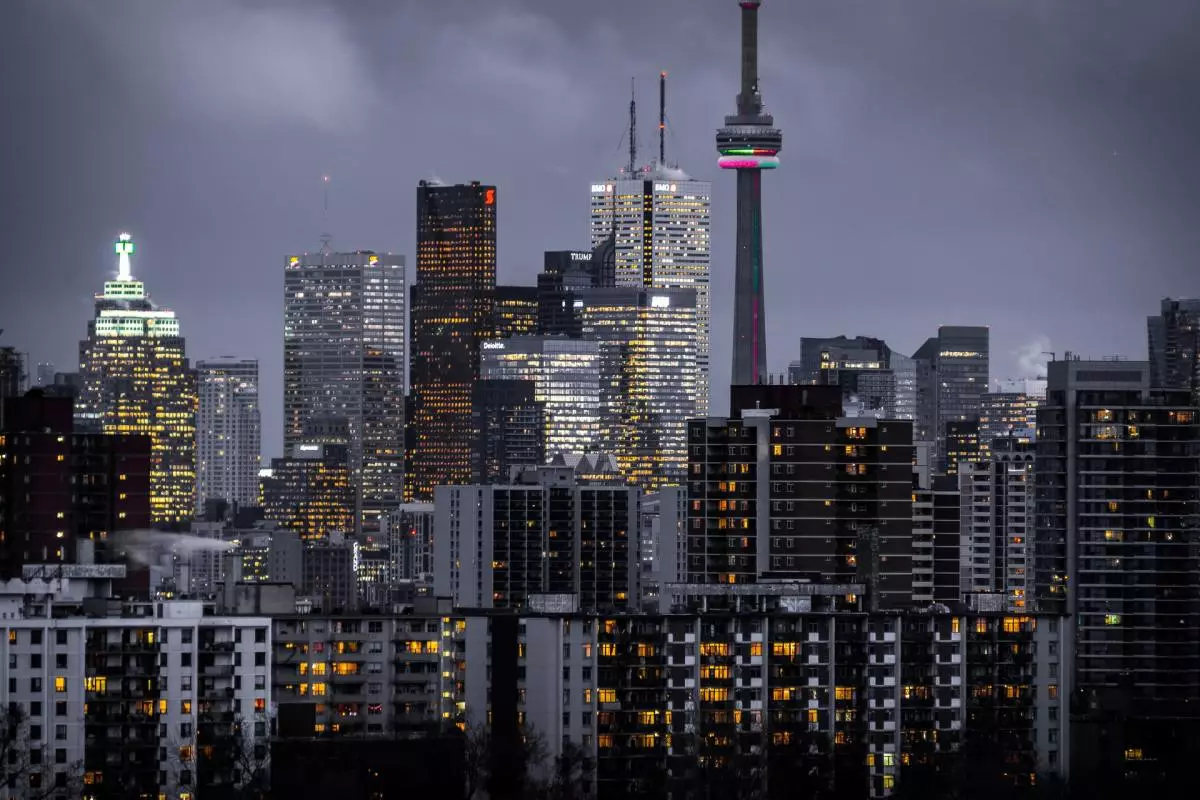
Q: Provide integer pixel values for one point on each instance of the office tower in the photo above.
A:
(45, 374)
(136, 379)
(12, 376)
(648, 377)
(452, 309)
(1011, 410)
(904, 376)
(310, 491)
(1117, 548)
(409, 534)
(952, 379)
(510, 427)
(749, 143)
(564, 274)
(662, 544)
(548, 533)
(343, 358)
(790, 489)
(515, 312)
(228, 433)
(657, 219)
(1175, 345)
(565, 374)
(328, 570)
(59, 487)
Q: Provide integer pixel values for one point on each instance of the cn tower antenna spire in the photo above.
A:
(124, 250)
(326, 237)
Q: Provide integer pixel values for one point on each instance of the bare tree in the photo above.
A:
(566, 777)
(26, 771)
(233, 758)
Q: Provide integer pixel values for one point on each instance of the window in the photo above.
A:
(60, 637)
(602, 695)
(317, 690)
(60, 684)
(185, 707)
(260, 704)
(756, 649)
(260, 635)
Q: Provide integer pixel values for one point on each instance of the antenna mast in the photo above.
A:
(632, 126)
(662, 118)
(325, 237)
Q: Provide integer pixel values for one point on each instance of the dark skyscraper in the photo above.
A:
(749, 143)
(11, 376)
(1175, 345)
(515, 312)
(510, 429)
(452, 307)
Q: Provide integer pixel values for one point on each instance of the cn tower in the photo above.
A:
(749, 143)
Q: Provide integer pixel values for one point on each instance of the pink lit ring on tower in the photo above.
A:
(748, 162)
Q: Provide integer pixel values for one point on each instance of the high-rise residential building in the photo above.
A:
(45, 374)
(565, 374)
(749, 143)
(961, 444)
(548, 533)
(661, 219)
(1117, 548)
(789, 488)
(515, 312)
(59, 487)
(343, 358)
(865, 368)
(452, 310)
(936, 534)
(648, 377)
(12, 376)
(134, 699)
(136, 379)
(309, 491)
(1175, 345)
(510, 426)
(228, 433)
(952, 380)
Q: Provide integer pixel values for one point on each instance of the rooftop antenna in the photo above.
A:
(632, 126)
(662, 118)
(325, 237)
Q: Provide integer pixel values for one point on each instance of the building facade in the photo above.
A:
(1117, 548)
(510, 426)
(310, 491)
(1174, 338)
(790, 489)
(649, 377)
(453, 303)
(661, 220)
(228, 433)
(496, 546)
(565, 374)
(59, 488)
(343, 353)
(136, 379)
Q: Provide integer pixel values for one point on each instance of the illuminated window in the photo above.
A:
(95, 683)
(185, 707)
(813, 716)
(790, 649)
(843, 693)
(608, 649)
(60, 684)
(781, 693)
(711, 694)
(605, 741)
(955, 625)
(318, 668)
(756, 649)
(185, 753)
(889, 781)
(1133, 754)
(1052, 691)
(317, 690)
(606, 695)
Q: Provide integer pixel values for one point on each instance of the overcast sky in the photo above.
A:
(1031, 165)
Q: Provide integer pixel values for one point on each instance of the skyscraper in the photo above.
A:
(566, 381)
(452, 307)
(648, 377)
(228, 432)
(661, 218)
(343, 359)
(510, 429)
(749, 143)
(1175, 345)
(952, 380)
(136, 379)
(12, 376)
(1117, 548)
(515, 312)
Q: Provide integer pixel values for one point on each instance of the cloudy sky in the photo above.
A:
(1030, 165)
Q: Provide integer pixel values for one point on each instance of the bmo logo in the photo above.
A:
(666, 187)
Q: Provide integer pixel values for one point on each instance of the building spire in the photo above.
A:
(124, 248)
(632, 126)
(325, 237)
(662, 118)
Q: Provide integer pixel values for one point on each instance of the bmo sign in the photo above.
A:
(601, 188)
(666, 187)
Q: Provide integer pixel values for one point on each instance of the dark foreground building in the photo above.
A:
(368, 769)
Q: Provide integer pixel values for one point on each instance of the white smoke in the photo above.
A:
(1032, 357)
(147, 547)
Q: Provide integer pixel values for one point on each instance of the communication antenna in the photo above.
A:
(325, 237)
(662, 118)
(632, 125)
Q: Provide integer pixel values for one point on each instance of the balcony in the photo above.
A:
(217, 671)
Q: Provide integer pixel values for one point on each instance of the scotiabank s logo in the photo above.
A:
(489, 197)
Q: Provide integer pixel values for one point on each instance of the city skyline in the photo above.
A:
(1091, 188)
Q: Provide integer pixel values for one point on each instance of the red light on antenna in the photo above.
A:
(489, 197)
